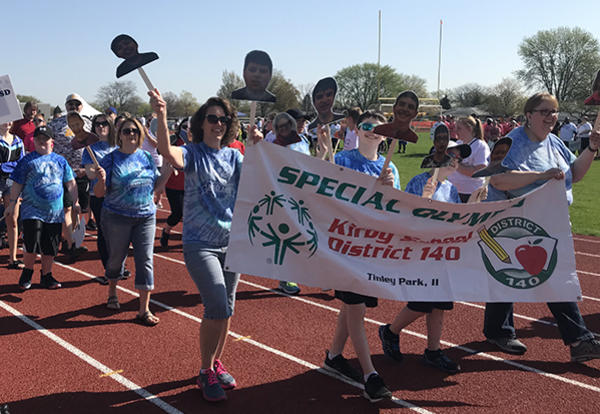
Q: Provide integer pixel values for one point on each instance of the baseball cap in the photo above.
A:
(297, 113)
(73, 97)
(464, 149)
(43, 131)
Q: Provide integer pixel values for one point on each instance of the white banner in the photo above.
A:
(9, 105)
(301, 219)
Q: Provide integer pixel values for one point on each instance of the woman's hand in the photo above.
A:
(429, 188)
(101, 173)
(254, 135)
(387, 177)
(555, 173)
(594, 141)
(158, 104)
(323, 141)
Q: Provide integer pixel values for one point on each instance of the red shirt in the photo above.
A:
(176, 182)
(238, 145)
(23, 128)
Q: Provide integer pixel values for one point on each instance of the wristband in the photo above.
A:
(590, 148)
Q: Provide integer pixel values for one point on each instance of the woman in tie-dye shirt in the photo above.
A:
(126, 180)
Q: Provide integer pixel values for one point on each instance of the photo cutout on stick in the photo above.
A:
(405, 110)
(594, 98)
(497, 155)
(258, 70)
(323, 98)
(438, 156)
(77, 126)
(125, 47)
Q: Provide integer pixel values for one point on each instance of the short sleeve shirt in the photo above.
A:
(480, 155)
(445, 191)
(63, 137)
(356, 161)
(211, 184)
(130, 182)
(527, 155)
(101, 149)
(42, 177)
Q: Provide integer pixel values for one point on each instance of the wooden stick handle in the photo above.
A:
(92, 156)
(597, 123)
(389, 155)
(252, 113)
(142, 73)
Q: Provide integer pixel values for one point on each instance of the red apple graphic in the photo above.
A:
(532, 257)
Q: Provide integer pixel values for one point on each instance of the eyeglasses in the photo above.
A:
(213, 119)
(102, 124)
(130, 131)
(366, 126)
(546, 112)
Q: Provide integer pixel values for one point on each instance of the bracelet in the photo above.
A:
(590, 148)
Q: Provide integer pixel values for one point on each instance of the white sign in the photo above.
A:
(9, 105)
(306, 220)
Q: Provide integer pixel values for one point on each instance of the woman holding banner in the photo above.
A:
(212, 174)
(537, 155)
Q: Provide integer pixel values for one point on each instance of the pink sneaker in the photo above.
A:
(225, 379)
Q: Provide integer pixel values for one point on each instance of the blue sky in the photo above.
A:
(53, 48)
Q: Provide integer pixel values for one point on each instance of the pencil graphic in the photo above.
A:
(493, 245)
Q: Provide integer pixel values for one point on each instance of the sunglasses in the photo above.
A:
(454, 154)
(367, 126)
(73, 103)
(38, 120)
(102, 124)
(130, 131)
(213, 119)
(546, 112)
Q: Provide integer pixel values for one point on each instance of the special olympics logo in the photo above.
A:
(517, 252)
(283, 224)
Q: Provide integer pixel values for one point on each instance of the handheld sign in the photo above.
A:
(496, 157)
(594, 99)
(438, 158)
(9, 105)
(405, 110)
(82, 137)
(258, 70)
(125, 47)
(323, 98)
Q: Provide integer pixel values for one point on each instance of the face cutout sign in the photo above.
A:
(258, 69)
(82, 137)
(125, 47)
(495, 166)
(439, 157)
(405, 110)
(323, 98)
(594, 99)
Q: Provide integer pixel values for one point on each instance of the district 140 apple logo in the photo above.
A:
(282, 224)
(517, 252)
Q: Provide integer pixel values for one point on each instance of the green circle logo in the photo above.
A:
(517, 252)
(284, 225)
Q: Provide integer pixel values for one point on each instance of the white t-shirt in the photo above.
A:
(584, 130)
(270, 136)
(350, 140)
(567, 131)
(480, 155)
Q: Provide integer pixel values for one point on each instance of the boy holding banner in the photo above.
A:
(350, 321)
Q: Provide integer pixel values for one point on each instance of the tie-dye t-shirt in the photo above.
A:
(211, 183)
(354, 160)
(445, 191)
(42, 177)
(130, 182)
(101, 149)
(527, 155)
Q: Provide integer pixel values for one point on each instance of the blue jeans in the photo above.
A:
(498, 321)
(119, 231)
(216, 286)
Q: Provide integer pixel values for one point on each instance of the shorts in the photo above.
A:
(216, 285)
(5, 184)
(45, 236)
(351, 298)
(428, 307)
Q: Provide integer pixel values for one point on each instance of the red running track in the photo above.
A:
(63, 351)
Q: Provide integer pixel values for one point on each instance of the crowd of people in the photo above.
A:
(48, 181)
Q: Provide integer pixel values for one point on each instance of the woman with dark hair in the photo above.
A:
(470, 131)
(104, 129)
(536, 156)
(126, 179)
(212, 175)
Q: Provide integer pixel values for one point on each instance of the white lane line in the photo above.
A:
(111, 373)
(260, 345)
(419, 335)
(587, 254)
(588, 273)
(585, 240)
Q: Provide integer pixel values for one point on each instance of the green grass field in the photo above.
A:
(583, 217)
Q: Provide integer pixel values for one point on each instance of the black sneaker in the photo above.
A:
(509, 345)
(164, 239)
(47, 281)
(25, 279)
(440, 361)
(390, 343)
(103, 280)
(375, 389)
(91, 225)
(340, 365)
(586, 350)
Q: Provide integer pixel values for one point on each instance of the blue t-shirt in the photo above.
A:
(130, 182)
(354, 160)
(211, 183)
(101, 149)
(10, 154)
(445, 190)
(42, 177)
(527, 155)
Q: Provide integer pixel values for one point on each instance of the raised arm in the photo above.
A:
(511, 180)
(173, 154)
